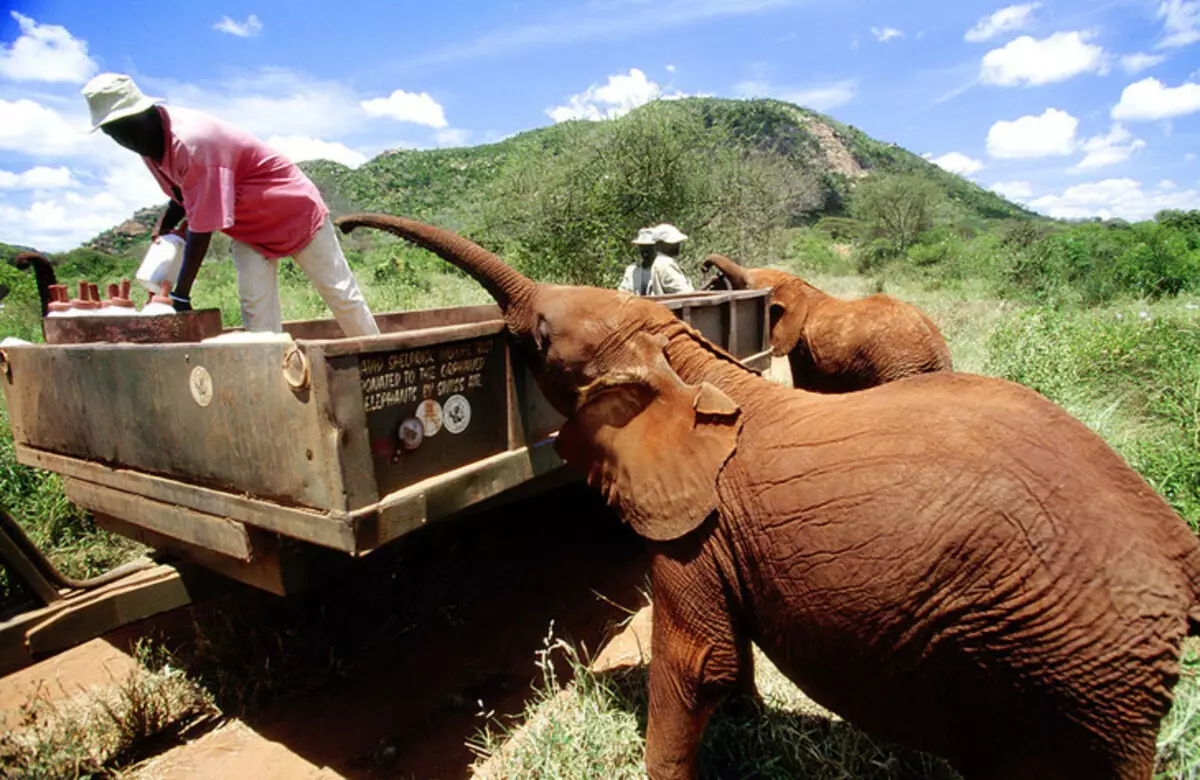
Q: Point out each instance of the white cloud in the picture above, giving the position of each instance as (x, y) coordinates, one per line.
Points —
(299, 148)
(271, 101)
(1029, 62)
(1123, 198)
(37, 178)
(1136, 63)
(1150, 99)
(1014, 17)
(31, 128)
(453, 136)
(1167, 184)
(819, 97)
(885, 34)
(670, 69)
(620, 95)
(1116, 147)
(45, 52)
(247, 29)
(1052, 133)
(418, 108)
(1181, 23)
(1190, 157)
(957, 162)
(58, 223)
(1013, 190)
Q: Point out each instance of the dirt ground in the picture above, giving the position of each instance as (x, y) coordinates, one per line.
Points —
(424, 636)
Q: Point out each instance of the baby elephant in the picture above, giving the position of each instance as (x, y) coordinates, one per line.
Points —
(837, 346)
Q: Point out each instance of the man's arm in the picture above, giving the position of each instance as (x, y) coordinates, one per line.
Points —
(672, 279)
(170, 218)
(627, 280)
(193, 255)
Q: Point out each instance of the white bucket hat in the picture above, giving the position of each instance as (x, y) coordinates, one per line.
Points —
(645, 237)
(669, 234)
(113, 96)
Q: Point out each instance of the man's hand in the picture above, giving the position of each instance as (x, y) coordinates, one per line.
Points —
(181, 302)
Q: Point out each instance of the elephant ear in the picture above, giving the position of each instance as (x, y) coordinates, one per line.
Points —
(788, 312)
(654, 447)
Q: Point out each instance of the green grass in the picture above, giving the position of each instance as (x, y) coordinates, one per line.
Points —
(594, 726)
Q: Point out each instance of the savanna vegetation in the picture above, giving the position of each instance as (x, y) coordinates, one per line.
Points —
(1102, 317)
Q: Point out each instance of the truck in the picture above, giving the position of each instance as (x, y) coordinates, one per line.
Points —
(271, 458)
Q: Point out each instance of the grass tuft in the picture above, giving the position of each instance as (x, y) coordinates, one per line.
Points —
(98, 732)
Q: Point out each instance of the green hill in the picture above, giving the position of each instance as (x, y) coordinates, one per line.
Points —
(433, 184)
(457, 187)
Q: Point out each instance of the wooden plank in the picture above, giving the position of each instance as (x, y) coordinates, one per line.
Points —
(17, 563)
(278, 565)
(438, 497)
(93, 613)
(392, 322)
(219, 534)
(328, 529)
(411, 339)
(192, 326)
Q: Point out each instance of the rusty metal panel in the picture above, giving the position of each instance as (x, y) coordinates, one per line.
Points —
(433, 409)
(750, 317)
(192, 326)
(219, 416)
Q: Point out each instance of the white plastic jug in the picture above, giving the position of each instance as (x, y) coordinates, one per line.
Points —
(162, 262)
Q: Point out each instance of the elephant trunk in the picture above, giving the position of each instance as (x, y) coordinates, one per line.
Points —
(731, 270)
(43, 272)
(504, 283)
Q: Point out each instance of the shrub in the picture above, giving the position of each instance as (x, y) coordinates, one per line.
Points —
(896, 208)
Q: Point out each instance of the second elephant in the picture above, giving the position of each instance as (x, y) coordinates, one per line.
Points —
(837, 346)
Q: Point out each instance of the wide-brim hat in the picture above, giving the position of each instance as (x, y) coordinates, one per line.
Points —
(645, 237)
(113, 96)
(669, 234)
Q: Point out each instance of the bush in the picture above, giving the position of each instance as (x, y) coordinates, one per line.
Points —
(570, 217)
(810, 251)
(896, 208)
(1113, 358)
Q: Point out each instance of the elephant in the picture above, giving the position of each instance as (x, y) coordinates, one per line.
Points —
(43, 272)
(948, 561)
(836, 346)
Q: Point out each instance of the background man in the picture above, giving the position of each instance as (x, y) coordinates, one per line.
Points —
(222, 178)
(658, 273)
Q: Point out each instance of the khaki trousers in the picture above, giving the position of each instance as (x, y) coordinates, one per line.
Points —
(324, 264)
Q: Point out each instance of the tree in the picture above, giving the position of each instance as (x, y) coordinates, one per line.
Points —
(896, 207)
(570, 216)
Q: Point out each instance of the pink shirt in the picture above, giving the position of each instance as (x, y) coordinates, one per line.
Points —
(235, 183)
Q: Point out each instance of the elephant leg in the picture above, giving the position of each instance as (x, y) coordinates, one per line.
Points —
(697, 661)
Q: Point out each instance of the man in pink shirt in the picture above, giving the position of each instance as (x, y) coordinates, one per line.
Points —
(221, 178)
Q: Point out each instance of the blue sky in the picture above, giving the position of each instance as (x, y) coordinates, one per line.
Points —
(1074, 108)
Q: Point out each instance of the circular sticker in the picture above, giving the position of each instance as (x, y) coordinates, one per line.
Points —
(412, 433)
(201, 385)
(457, 411)
(429, 412)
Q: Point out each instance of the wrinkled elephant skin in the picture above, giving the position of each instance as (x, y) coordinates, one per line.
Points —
(837, 346)
(949, 561)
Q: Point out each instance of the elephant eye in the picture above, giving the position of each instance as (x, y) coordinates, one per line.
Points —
(541, 334)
